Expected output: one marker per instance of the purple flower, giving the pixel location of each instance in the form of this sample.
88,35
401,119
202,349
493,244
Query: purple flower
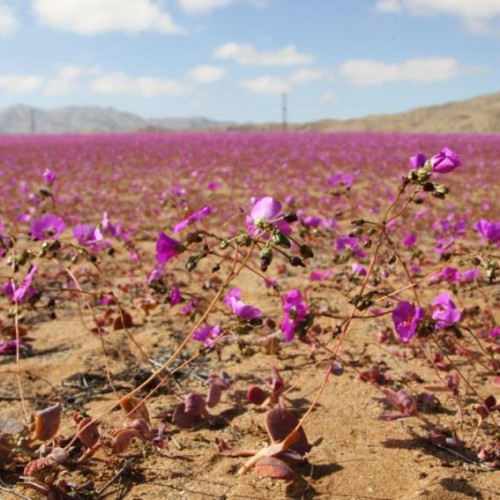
470,274
445,161
175,296
445,313
207,334
490,230
410,240
406,318
156,274
191,219
87,235
9,346
264,212
450,274
358,269
113,230
167,248
418,160
49,177
350,242
294,312
24,291
244,311
48,226
312,221
495,332
233,293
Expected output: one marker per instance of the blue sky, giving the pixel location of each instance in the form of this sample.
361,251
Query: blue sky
232,59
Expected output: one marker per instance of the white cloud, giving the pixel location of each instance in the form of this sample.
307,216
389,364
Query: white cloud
418,70
266,85
145,86
306,75
246,55
8,21
327,96
66,80
20,84
197,6
479,16
388,6
88,17
206,74
203,6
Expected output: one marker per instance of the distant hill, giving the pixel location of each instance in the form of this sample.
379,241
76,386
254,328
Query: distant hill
20,119
477,115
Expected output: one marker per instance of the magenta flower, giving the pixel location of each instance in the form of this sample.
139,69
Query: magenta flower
294,312
244,311
266,211
445,161
49,177
175,296
24,291
406,318
234,293
48,226
450,274
358,269
107,227
156,274
470,274
167,248
490,230
418,160
9,346
351,243
207,334
191,219
87,235
495,332
445,313
410,240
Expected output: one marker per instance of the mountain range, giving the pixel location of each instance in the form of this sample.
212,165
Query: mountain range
477,115
22,119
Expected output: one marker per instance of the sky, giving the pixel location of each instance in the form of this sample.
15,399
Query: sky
234,59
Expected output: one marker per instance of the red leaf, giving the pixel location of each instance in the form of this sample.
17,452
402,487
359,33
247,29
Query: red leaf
280,422
47,422
275,468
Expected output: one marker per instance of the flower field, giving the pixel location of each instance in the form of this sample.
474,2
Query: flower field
250,315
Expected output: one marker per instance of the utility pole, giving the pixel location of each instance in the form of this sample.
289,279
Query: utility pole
32,121
284,110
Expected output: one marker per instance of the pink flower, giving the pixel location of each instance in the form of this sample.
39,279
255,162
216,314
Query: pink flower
410,240
48,226
266,211
445,313
495,332
49,177
87,235
295,311
207,334
175,296
406,318
445,161
24,291
167,248
418,160
490,230
244,311
191,219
